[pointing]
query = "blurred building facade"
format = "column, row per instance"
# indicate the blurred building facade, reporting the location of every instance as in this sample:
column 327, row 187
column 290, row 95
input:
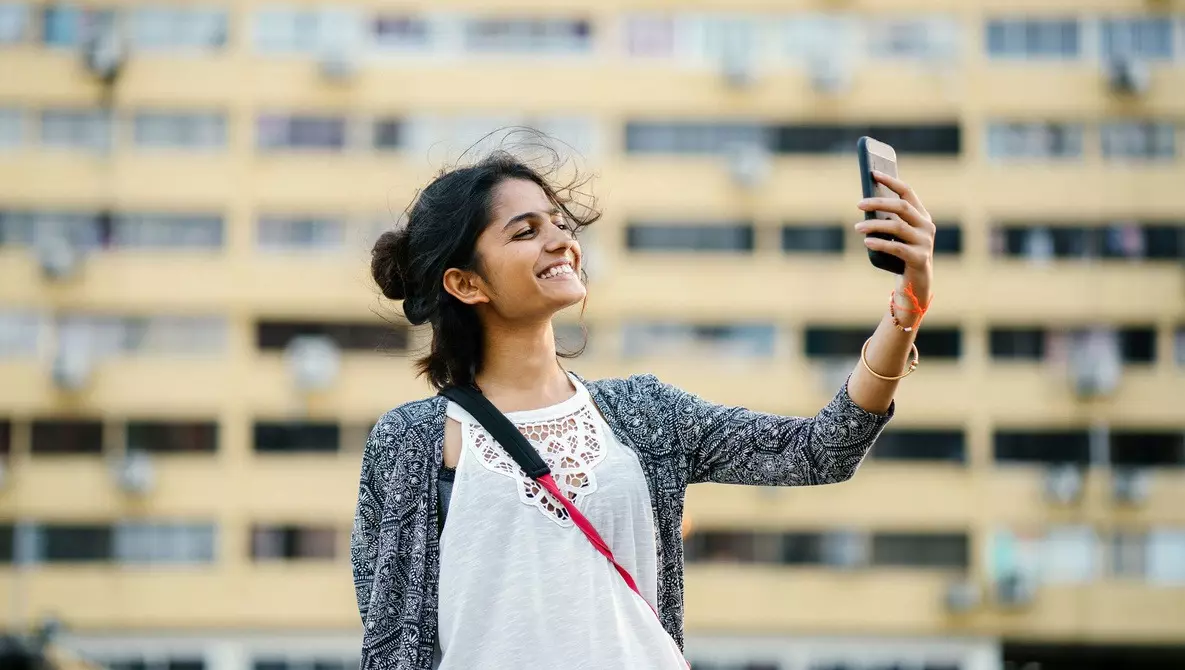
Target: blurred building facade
column 191, row 352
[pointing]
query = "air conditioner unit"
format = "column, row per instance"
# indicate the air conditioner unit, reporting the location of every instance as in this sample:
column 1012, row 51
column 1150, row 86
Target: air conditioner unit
column 845, row 549
column 72, row 365
column 104, row 53
column 1128, row 76
column 1063, row 484
column 134, row 473
column 1015, row 589
column 338, row 65
column 314, row 362
column 828, row 74
column 1130, row 486
column 738, row 68
column 58, row 257
column 749, row 164
column 1095, row 364
column 962, row 596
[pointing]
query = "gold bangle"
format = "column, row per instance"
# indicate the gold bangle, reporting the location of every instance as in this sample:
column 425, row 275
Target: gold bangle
column 913, row 365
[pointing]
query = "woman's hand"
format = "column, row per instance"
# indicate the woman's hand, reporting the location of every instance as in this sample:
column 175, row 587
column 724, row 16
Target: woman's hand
column 911, row 225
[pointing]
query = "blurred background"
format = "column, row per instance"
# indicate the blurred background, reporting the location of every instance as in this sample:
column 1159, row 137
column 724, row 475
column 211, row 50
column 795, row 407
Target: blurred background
column 192, row 353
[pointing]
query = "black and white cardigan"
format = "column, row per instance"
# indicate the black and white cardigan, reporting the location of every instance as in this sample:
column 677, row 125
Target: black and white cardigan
column 679, row 439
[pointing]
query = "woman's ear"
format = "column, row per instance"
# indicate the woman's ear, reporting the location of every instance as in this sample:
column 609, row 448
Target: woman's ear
column 466, row 286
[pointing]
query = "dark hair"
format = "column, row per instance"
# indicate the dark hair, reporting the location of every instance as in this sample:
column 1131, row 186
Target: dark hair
column 441, row 230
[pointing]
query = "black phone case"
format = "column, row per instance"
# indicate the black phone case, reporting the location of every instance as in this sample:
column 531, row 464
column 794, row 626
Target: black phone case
column 879, row 259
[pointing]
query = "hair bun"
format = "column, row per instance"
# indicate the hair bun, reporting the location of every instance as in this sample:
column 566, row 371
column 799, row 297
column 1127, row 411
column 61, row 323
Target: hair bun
column 388, row 263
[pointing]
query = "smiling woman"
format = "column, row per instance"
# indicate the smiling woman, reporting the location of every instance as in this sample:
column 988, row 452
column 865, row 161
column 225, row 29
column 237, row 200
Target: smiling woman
column 463, row 560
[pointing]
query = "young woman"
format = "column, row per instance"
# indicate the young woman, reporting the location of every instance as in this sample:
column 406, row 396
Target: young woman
column 487, row 571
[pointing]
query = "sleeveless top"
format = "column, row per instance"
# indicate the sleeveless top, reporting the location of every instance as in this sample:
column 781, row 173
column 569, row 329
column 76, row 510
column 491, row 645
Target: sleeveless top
column 520, row 584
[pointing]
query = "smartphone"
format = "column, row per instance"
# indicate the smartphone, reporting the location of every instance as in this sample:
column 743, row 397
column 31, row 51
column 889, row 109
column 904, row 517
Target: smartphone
column 876, row 155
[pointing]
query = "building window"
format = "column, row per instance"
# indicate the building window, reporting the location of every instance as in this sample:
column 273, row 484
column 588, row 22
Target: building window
column 692, row 138
column 1034, row 38
column 276, row 132
column 272, row 542
column 1026, row 344
column 304, row 663
column 76, row 129
column 934, row 139
column 1128, row 554
column 948, row 240
column 395, row 32
column 1119, row 240
column 67, row 436
column 813, row 239
column 940, row 342
column 301, row 233
column 1137, row 344
column 14, row 22
column 156, row 543
column 173, row 437
column 152, row 335
column 7, row 544
column 280, row 30
column 180, row 130
column 1070, row 555
column 1179, row 345
column 12, row 129
column 702, row 341
column 73, row 543
column 674, row 237
column 920, row 550
column 1042, row 446
column 1139, row 140
column 824, row 342
column 649, row 36
column 1148, row 448
column 178, row 28
column 1166, row 556
column 734, row 547
column 168, row 231
column 921, row 444
column 155, row 663
column 388, row 134
column 528, row 36
column 1145, row 38
column 276, row 335
column 20, row 334
column 916, row 39
column 1034, row 140
column 5, row 438
column 65, row 25
column 296, row 436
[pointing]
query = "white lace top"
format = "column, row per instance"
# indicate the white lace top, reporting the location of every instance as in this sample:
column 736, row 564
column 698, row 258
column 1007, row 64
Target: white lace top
column 520, row 584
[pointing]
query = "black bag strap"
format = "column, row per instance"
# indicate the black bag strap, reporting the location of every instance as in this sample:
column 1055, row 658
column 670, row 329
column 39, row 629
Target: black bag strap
column 501, row 429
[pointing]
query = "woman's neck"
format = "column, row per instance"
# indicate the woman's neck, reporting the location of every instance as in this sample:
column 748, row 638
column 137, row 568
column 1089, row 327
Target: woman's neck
column 520, row 369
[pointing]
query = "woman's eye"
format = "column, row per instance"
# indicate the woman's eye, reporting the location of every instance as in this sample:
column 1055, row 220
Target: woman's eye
column 524, row 233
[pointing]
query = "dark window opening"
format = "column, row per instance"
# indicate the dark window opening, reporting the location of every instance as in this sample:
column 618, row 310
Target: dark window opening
column 948, row 240
column 388, row 134
column 67, row 436
column 680, row 238
column 273, row 335
column 1017, row 343
column 277, row 437
column 939, row 342
column 939, row 139
column 1043, row 446
column 76, row 543
column 825, row 342
column 920, row 550
column 822, row 239
column 173, row 436
column 1132, row 448
column 1137, row 344
column 293, row 543
column 921, row 445
column 5, row 438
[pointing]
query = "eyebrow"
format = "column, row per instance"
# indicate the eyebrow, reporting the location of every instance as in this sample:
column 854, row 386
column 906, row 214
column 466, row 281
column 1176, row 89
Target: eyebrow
column 527, row 215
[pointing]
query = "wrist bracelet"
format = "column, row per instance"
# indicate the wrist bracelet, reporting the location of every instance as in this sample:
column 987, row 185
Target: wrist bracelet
column 913, row 365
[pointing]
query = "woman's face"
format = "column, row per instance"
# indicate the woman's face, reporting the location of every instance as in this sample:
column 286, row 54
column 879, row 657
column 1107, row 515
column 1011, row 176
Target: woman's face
column 529, row 257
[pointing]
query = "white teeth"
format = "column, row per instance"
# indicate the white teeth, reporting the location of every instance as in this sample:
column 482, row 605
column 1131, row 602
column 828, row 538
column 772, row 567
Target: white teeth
column 558, row 270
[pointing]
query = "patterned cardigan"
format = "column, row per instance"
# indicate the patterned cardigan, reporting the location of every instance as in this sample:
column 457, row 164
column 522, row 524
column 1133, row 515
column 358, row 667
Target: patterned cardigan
column 679, row 439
